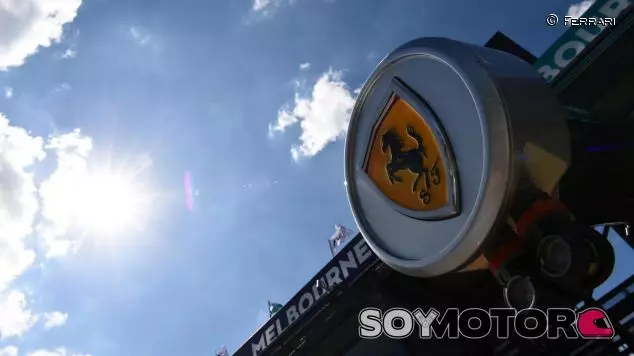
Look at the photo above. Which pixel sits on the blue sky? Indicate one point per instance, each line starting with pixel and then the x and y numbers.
pixel 251 98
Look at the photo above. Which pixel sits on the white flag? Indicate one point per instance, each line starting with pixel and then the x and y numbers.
pixel 341 233
pixel 222 352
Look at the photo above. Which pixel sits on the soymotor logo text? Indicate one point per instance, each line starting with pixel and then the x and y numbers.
pixel 475 323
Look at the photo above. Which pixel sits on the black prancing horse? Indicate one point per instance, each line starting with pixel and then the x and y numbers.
pixel 412 160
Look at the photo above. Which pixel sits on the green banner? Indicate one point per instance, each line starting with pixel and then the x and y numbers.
pixel 576 38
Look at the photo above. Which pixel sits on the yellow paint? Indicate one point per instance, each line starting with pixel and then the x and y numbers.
pixel 478 264
pixel 545 169
pixel 399 117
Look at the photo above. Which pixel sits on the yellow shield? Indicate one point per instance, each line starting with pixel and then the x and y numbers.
pixel 405 160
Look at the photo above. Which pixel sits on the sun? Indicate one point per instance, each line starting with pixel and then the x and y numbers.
pixel 108 203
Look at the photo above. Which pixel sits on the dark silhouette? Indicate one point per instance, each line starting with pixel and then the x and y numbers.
pixel 412 160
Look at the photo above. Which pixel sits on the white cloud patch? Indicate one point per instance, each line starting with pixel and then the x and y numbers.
pixel 8 92
pixel 60 351
pixel 19 207
pixel 69 54
pixel 61 88
pixel 55 319
pixel 145 39
pixel 323 116
pixel 16 317
pixel 72 152
pixel 267 7
pixel 577 10
pixel 304 66
pixel 141 36
pixel 261 5
pixel 284 120
pixel 71 50
pixel 27 25
pixel 9 351
pixel 18 201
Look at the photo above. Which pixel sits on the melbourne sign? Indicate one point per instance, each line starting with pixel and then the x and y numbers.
pixel 348 264
pixel 576 38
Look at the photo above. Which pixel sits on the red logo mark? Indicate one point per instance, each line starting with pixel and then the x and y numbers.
pixel 593 323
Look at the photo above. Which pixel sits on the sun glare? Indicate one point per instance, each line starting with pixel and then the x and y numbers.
pixel 110 203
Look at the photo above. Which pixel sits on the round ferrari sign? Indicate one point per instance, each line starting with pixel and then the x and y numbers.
pixel 431 148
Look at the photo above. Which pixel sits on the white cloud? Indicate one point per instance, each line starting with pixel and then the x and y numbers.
pixel 266 7
pixel 70 53
pixel 71 41
pixel 19 206
pixel 140 36
pixel 15 257
pixel 8 92
pixel 304 66
pixel 60 351
pixel 62 224
pixel 147 40
pixel 260 5
pixel 577 10
pixel 56 352
pixel 284 120
pixel 61 88
pixel 72 151
pixel 9 351
pixel 55 319
pixel 323 116
pixel 18 201
pixel 16 317
pixel 30 24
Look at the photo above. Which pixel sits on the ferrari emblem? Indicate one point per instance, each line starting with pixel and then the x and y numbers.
pixel 407 162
